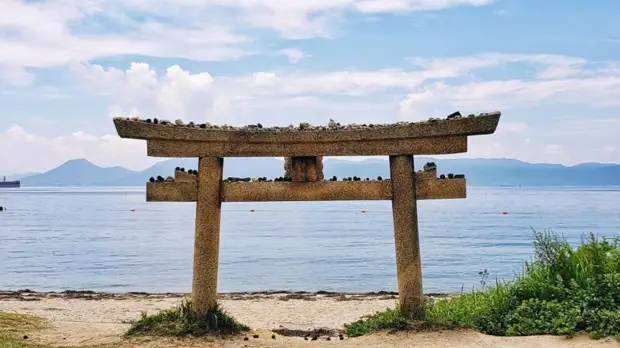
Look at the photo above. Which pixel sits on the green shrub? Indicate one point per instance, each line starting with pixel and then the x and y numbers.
pixel 537 317
pixel 184 321
pixel 563 291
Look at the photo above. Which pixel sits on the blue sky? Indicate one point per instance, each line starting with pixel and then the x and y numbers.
pixel 68 66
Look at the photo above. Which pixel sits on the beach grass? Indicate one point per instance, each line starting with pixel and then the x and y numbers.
pixel 563 291
pixel 184 321
pixel 14 330
pixel 390 320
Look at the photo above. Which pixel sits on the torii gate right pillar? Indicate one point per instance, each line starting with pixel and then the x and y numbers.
pixel 406 238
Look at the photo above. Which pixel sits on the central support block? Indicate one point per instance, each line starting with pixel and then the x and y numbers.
pixel 304 169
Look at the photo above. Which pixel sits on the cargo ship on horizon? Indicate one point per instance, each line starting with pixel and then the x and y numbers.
pixel 9 184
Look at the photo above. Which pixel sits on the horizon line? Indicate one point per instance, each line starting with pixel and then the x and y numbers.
pixel 331 158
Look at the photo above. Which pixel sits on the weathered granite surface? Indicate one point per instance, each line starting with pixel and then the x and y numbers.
pixel 406 235
pixel 428 137
pixel 418 146
pixel 207 239
pixel 139 129
pixel 427 187
pixel 304 169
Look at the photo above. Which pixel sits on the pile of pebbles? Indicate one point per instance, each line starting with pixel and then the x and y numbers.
pixel 190 171
pixel 160 178
pixel 427 166
pixel 303 126
pixel 287 179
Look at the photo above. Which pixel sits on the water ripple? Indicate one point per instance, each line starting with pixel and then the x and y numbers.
pixel 89 238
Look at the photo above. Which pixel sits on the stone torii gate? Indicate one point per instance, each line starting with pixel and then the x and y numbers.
pixel 303 148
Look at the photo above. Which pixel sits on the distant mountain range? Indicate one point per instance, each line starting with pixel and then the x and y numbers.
pixel 479 172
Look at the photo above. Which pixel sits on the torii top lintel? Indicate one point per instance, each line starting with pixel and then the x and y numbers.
pixel 432 137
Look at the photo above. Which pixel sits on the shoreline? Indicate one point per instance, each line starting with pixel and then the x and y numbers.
pixel 83 318
pixel 27 294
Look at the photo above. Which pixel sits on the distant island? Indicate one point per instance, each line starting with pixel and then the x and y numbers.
pixel 479 172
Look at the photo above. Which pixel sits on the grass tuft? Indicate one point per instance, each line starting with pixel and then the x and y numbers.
pixel 391 320
pixel 184 321
pixel 16 323
pixel 13 327
pixel 563 291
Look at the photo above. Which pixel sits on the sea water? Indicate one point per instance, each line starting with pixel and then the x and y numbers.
pixel 110 239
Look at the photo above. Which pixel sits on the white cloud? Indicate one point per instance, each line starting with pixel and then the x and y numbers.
pixel 33 153
pixel 596 91
pixel 337 82
pixel 395 93
pixel 552 150
pixel 117 111
pixel 16 76
pixel 312 18
pixel 363 96
pixel 176 94
pixel 513 127
pixel 554 65
pixel 59 33
pixel 294 55
pixel 56 32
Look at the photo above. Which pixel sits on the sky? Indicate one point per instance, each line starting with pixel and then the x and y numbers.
pixel 67 67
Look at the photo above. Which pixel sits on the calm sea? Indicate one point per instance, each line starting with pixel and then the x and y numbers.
pixel 112 240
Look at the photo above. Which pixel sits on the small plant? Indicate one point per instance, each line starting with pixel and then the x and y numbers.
pixel 484 276
pixel 390 319
pixel 184 321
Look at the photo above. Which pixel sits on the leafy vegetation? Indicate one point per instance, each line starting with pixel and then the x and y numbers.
pixel 184 321
pixel 564 291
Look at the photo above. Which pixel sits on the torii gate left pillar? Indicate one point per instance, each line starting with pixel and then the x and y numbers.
pixel 406 235
pixel 207 238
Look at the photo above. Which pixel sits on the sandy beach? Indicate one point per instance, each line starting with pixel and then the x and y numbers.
pixel 88 318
